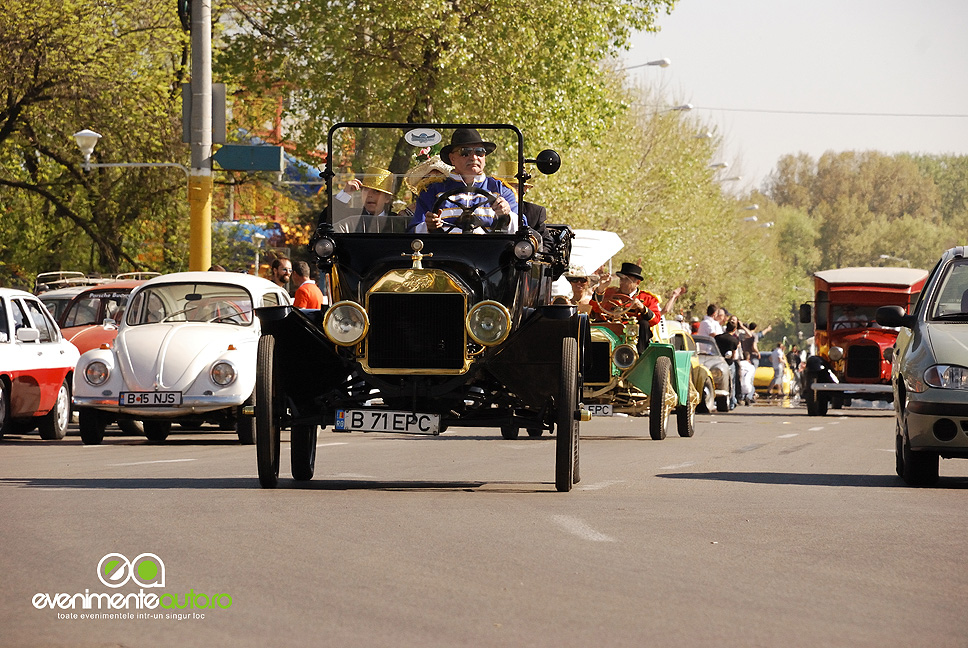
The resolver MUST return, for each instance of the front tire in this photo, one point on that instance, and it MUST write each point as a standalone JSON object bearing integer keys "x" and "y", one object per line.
{"x": 510, "y": 432}
{"x": 157, "y": 431}
{"x": 566, "y": 443}
{"x": 918, "y": 467}
{"x": 92, "y": 423}
{"x": 302, "y": 447}
{"x": 660, "y": 399}
{"x": 245, "y": 425}
{"x": 53, "y": 426}
{"x": 4, "y": 407}
{"x": 686, "y": 414}
{"x": 266, "y": 414}
{"x": 707, "y": 399}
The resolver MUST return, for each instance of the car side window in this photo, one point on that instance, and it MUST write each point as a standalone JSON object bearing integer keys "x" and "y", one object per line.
{"x": 41, "y": 321}
{"x": 270, "y": 299}
{"x": 20, "y": 319}
{"x": 4, "y": 326}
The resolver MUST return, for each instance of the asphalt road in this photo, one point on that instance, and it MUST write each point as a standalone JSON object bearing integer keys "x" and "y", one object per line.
{"x": 768, "y": 528}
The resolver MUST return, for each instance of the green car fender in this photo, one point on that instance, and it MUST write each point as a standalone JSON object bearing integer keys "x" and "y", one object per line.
{"x": 640, "y": 373}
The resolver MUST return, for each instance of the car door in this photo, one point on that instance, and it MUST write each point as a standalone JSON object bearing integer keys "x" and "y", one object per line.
{"x": 42, "y": 364}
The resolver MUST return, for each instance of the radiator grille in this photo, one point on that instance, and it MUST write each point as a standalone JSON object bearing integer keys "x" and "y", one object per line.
{"x": 864, "y": 361}
{"x": 416, "y": 331}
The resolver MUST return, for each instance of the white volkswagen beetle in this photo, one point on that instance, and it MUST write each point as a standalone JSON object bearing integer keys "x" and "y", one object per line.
{"x": 184, "y": 353}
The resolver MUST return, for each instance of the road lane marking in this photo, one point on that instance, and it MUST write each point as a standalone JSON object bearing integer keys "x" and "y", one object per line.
{"x": 575, "y": 526}
{"x": 335, "y": 443}
{"x": 788, "y": 436}
{"x": 815, "y": 429}
{"x": 601, "y": 485}
{"x": 144, "y": 463}
{"x": 684, "y": 464}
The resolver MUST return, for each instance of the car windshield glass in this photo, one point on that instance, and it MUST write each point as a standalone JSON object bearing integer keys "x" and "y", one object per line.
{"x": 387, "y": 179}
{"x": 951, "y": 299}
{"x": 852, "y": 316}
{"x": 707, "y": 347}
{"x": 94, "y": 307}
{"x": 216, "y": 303}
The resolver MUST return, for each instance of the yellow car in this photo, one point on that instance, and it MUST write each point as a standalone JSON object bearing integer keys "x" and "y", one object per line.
{"x": 700, "y": 375}
{"x": 764, "y": 376}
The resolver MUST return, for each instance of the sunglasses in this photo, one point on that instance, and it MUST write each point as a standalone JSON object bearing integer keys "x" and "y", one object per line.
{"x": 285, "y": 269}
{"x": 577, "y": 280}
{"x": 479, "y": 151}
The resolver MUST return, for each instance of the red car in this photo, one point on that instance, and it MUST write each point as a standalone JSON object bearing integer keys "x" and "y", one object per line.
{"x": 36, "y": 368}
{"x": 92, "y": 316}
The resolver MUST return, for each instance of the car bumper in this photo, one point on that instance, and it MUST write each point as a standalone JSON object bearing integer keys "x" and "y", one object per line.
{"x": 190, "y": 405}
{"x": 937, "y": 420}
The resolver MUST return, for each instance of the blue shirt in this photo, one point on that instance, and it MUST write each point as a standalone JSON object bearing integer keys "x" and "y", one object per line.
{"x": 451, "y": 208}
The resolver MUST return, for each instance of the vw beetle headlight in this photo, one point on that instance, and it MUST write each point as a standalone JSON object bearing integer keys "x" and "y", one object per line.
{"x": 946, "y": 377}
{"x": 346, "y": 323}
{"x": 488, "y": 323}
{"x": 223, "y": 373}
{"x": 836, "y": 353}
{"x": 624, "y": 356}
{"x": 96, "y": 373}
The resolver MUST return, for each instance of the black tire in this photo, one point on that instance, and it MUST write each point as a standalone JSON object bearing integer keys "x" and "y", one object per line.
{"x": 132, "y": 427}
{"x": 823, "y": 402}
{"x": 899, "y": 454}
{"x": 245, "y": 425}
{"x": 707, "y": 399}
{"x": 510, "y": 432}
{"x": 157, "y": 431}
{"x": 566, "y": 444}
{"x": 659, "y": 402}
{"x": 4, "y": 407}
{"x": 722, "y": 403}
{"x": 54, "y": 424}
{"x": 92, "y": 423}
{"x": 919, "y": 467}
{"x": 686, "y": 414}
{"x": 535, "y": 432}
{"x": 267, "y": 404}
{"x": 302, "y": 448}
{"x": 837, "y": 401}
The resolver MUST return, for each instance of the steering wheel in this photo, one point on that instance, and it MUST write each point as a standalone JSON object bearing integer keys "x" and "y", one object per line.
{"x": 468, "y": 221}
{"x": 621, "y": 305}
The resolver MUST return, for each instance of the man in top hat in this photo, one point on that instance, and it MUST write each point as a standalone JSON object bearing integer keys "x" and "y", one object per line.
{"x": 467, "y": 153}
{"x": 642, "y": 303}
{"x": 374, "y": 216}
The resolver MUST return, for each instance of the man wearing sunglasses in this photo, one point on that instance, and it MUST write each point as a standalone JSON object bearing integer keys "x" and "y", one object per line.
{"x": 467, "y": 153}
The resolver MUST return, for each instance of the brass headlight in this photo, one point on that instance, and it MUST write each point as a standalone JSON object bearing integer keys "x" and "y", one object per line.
{"x": 836, "y": 353}
{"x": 488, "y": 323}
{"x": 346, "y": 323}
{"x": 624, "y": 356}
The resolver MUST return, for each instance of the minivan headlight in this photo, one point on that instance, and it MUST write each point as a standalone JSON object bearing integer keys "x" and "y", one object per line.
{"x": 946, "y": 377}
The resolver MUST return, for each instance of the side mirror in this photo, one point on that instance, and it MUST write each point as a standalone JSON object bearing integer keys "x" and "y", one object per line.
{"x": 894, "y": 316}
{"x": 28, "y": 335}
{"x": 548, "y": 162}
{"x": 805, "y": 314}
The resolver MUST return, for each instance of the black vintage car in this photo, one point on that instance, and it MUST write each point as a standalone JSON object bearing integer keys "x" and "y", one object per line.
{"x": 423, "y": 330}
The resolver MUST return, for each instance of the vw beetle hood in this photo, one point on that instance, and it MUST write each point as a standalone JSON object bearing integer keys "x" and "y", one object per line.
{"x": 171, "y": 356}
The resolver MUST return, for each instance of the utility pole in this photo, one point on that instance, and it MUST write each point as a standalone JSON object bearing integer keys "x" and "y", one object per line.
{"x": 200, "y": 178}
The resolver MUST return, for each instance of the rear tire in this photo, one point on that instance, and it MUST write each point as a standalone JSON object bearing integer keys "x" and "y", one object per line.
{"x": 510, "y": 432}
{"x": 54, "y": 424}
{"x": 659, "y": 402}
{"x": 4, "y": 407}
{"x": 302, "y": 447}
{"x": 686, "y": 414}
{"x": 535, "y": 432}
{"x": 567, "y": 428}
{"x": 266, "y": 406}
{"x": 245, "y": 425}
{"x": 707, "y": 399}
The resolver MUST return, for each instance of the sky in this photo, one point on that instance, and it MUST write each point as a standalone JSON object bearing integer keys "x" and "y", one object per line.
{"x": 760, "y": 73}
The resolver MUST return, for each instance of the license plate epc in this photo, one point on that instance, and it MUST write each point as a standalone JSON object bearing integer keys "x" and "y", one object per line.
{"x": 599, "y": 409}
{"x": 387, "y": 421}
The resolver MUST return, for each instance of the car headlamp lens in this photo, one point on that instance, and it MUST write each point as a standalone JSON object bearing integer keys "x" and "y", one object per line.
{"x": 96, "y": 373}
{"x": 624, "y": 356}
{"x": 324, "y": 247}
{"x": 836, "y": 353}
{"x": 717, "y": 373}
{"x": 346, "y": 323}
{"x": 488, "y": 323}
{"x": 946, "y": 377}
{"x": 523, "y": 250}
{"x": 223, "y": 373}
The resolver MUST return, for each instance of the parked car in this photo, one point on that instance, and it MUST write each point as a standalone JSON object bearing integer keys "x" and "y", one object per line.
{"x": 47, "y": 281}
{"x": 710, "y": 355}
{"x": 929, "y": 372}
{"x": 185, "y": 352}
{"x": 92, "y": 316}
{"x": 57, "y": 300}
{"x": 425, "y": 330}
{"x": 702, "y": 379}
{"x": 36, "y": 368}
{"x": 764, "y": 376}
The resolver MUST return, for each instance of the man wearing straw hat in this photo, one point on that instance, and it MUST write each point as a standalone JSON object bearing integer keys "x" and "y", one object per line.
{"x": 374, "y": 216}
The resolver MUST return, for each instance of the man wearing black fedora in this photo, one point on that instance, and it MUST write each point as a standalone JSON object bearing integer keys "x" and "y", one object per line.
{"x": 467, "y": 153}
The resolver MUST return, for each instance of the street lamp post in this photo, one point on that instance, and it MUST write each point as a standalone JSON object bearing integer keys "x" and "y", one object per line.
{"x": 88, "y": 139}
{"x": 258, "y": 238}
{"x": 663, "y": 63}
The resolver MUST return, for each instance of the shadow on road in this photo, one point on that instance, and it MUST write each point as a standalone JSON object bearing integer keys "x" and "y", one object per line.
{"x": 812, "y": 479}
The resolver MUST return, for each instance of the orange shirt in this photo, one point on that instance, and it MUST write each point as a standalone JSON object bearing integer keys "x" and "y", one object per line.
{"x": 308, "y": 295}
